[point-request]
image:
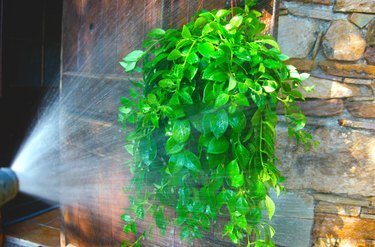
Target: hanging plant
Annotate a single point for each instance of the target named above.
(202, 130)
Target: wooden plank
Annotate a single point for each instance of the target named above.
(70, 26)
(131, 26)
(89, 45)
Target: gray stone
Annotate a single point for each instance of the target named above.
(370, 37)
(331, 208)
(362, 109)
(357, 81)
(343, 228)
(360, 19)
(301, 64)
(293, 219)
(343, 41)
(325, 2)
(364, 6)
(352, 70)
(296, 36)
(321, 108)
(328, 89)
(341, 199)
(343, 163)
(370, 55)
(314, 11)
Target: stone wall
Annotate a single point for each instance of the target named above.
(333, 41)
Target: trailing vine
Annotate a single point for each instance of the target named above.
(200, 126)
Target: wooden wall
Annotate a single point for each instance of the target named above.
(96, 35)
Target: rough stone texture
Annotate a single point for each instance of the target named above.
(296, 41)
(344, 162)
(368, 210)
(343, 227)
(360, 19)
(370, 55)
(325, 2)
(370, 37)
(322, 108)
(343, 41)
(330, 208)
(313, 11)
(293, 219)
(372, 201)
(358, 81)
(318, 108)
(341, 200)
(301, 64)
(332, 242)
(362, 71)
(365, 6)
(316, 49)
(362, 109)
(328, 89)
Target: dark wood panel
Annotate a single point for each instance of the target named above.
(131, 26)
(89, 39)
(70, 30)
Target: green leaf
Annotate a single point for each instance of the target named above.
(218, 146)
(233, 171)
(219, 123)
(206, 49)
(241, 99)
(190, 72)
(176, 162)
(186, 98)
(126, 217)
(208, 92)
(134, 56)
(199, 22)
(237, 121)
(192, 58)
(181, 131)
(128, 66)
(185, 232)
(282, 57)
(221, 100)
(166, 83)
(185, 32)
(269, 86)
(241, 221)
(174, 55)
(270, 42)
(207, 29)
(242, 205)
(156, 33)
(147, 150)
(173, 147)
(140, 213)
(236, 21)
(232, 83)
(192, 162)
(270, 205)
(243, 155)
(219, 76)
(160, 221)
(222, 12)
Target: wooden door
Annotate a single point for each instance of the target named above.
(96, 35)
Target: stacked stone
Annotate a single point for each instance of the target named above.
(333, 41)
(342, 221)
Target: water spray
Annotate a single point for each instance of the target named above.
(8, 185)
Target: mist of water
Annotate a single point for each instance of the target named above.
(72, 158)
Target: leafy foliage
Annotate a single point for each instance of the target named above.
(202, 130)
